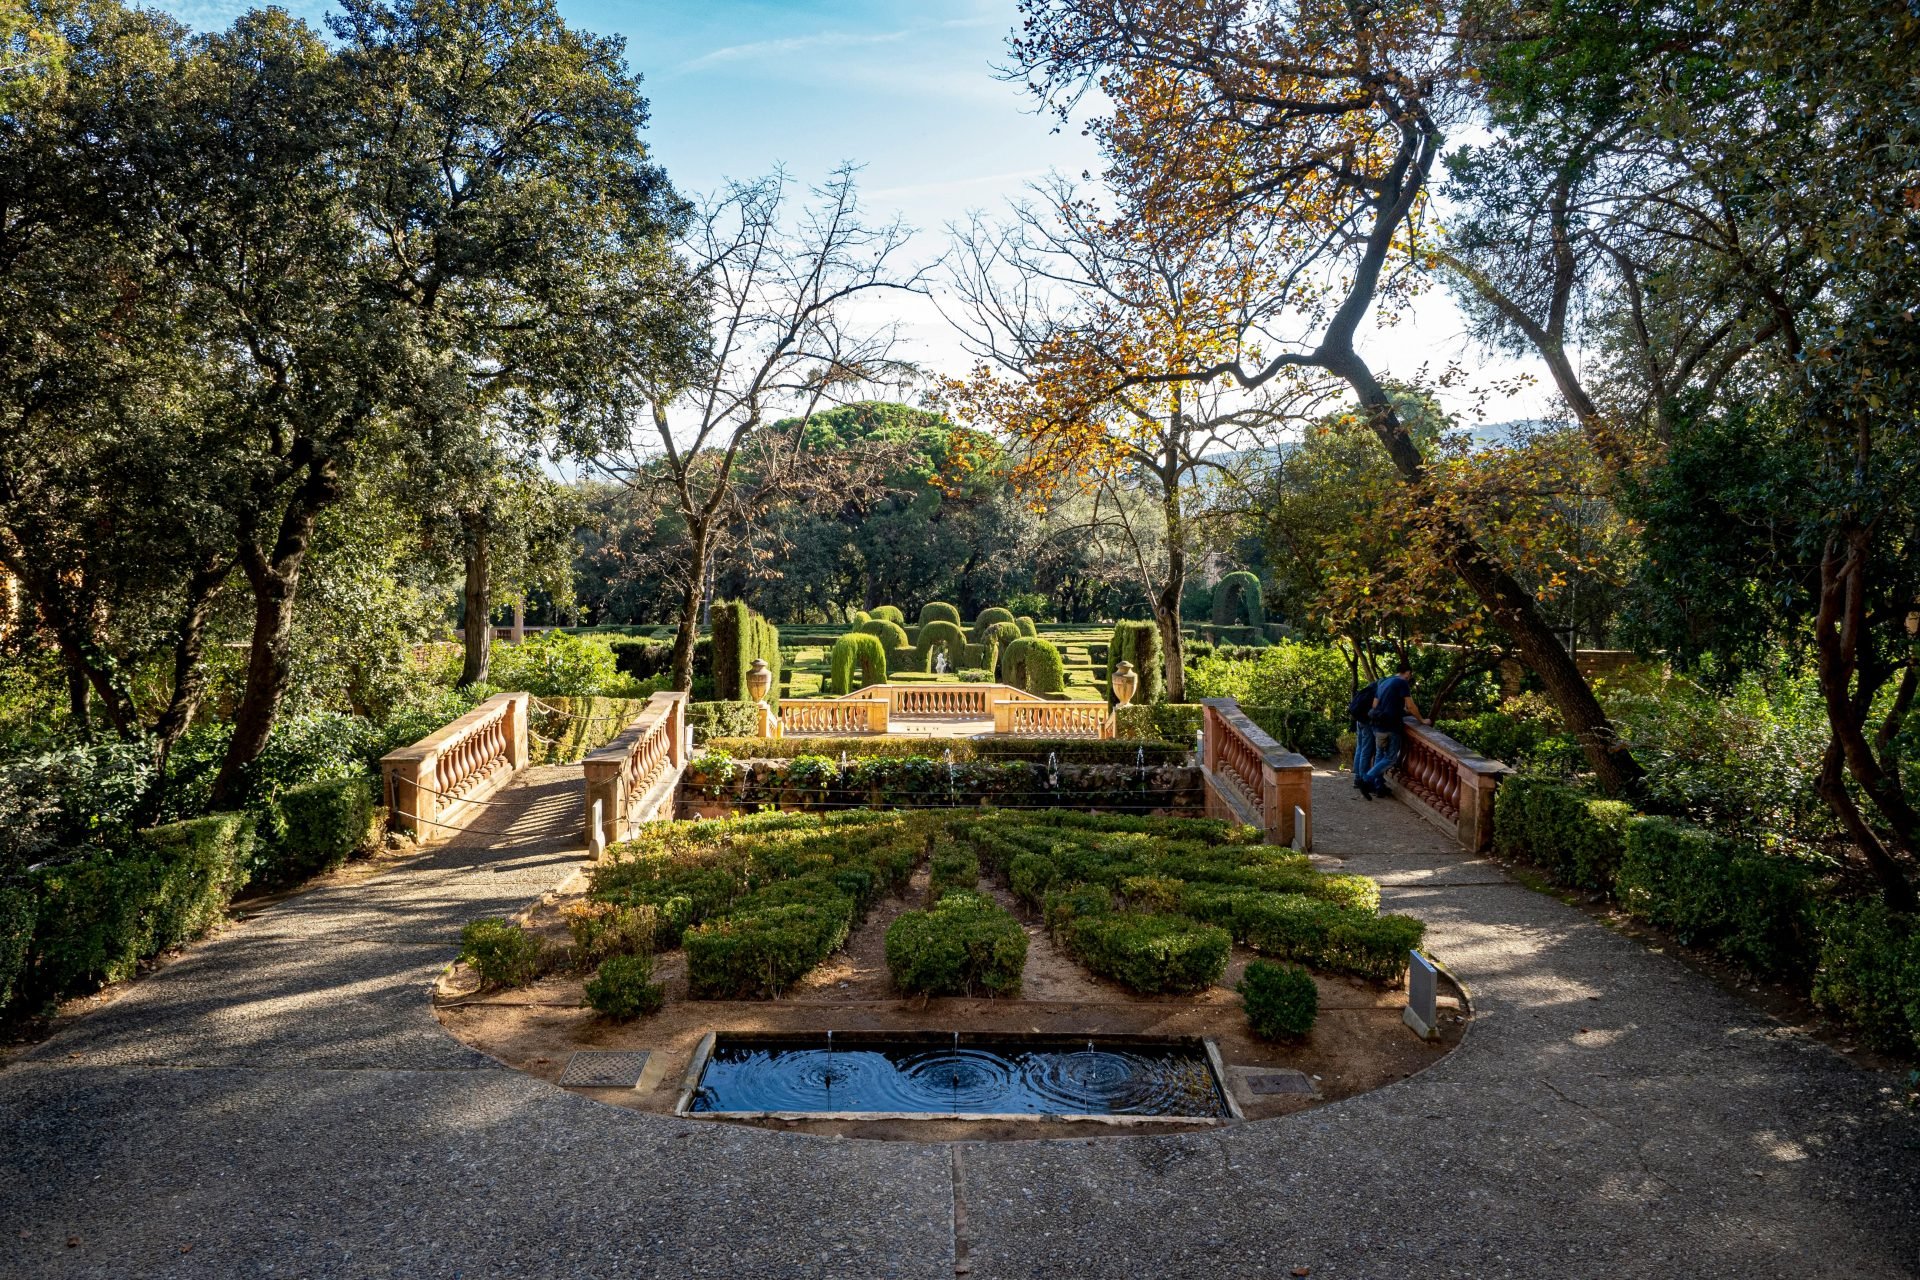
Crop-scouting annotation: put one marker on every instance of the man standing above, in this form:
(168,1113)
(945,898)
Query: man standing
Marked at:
(1392,703)
(1358,708)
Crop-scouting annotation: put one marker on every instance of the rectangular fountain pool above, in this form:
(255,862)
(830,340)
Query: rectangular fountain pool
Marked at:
(924,1075)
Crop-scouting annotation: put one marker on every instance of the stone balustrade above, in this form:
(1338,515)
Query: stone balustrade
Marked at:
(633,778)
(942,701)
(437,786)
(828,717)
(1448,784)
(1253,779)
(1044,719)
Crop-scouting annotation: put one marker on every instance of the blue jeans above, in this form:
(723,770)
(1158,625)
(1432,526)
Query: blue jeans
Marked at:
(1388,746)
(1362,748)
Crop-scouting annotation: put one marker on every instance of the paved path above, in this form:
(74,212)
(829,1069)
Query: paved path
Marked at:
(282,1101)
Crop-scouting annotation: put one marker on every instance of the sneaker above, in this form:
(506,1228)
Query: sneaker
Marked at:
(1366,791)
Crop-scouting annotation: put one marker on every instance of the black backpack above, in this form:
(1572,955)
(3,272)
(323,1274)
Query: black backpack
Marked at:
(1362,702)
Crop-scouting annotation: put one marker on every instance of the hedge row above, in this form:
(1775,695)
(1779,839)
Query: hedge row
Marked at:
(1146,952)
(822,782)
(1032,664)
(858,660)
(1064,750)
(963,944)
(1769,912)
(316,828)
(577,726)
(739,636)
(1307,732)
(713,721)
(1139,643)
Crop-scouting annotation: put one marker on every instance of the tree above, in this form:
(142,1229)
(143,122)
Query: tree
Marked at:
(694,438)
(1323,125)
(1072,318)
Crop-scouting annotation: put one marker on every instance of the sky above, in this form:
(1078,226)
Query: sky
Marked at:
(907,90)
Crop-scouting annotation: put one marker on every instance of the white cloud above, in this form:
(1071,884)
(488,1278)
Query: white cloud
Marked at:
(759,49)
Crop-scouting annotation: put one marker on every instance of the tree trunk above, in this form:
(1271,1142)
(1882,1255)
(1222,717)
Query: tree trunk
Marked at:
(691,597)
(477,633)
(189,679)
(79,695)
(1166,608)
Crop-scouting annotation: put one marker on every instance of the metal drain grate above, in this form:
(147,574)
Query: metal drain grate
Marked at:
(1265,1083)
(603,1069)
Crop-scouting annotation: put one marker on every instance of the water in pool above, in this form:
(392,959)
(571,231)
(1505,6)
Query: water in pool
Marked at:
(975,1078)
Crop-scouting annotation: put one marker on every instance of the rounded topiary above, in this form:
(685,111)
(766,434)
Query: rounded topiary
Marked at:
(964,944)
(1028,627)
(1033,664)
(1139,643)
(858,616)
(1281,1000)
(941,635)
(501,952)
(887,613)
(999,636)
(624,988)
(939,611)
(1237,596)
(986,620)
(856,650)
(892,635)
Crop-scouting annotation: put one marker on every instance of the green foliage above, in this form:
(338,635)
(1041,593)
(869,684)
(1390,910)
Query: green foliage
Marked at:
(987,619)
(758,953)
(739,636)
(1030,875)
(624,988)
(316,827)
(939,611)
(1707,888)
(1575,837)
(500,952)
(642,659)
(1032,664)
(999,635)
(892,635)
(951,867)
(1028,627)
(1238,599)
(556,664)
(965,943)
(888,613)
(1139,643)
(964,750)
(860,652)
(1307,681)
(1313,931)
(1523,731)
(1065,904)
(1281,1000)
(576,726)
(1869,973)
(941,635)
(1150,954)
(18,909)
(601,930)
(1175,722)
(733,721)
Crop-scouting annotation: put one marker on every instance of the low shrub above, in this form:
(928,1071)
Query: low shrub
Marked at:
(1032,664)
(963,750)
(1281,1000)
(1030,875)
(1151,893)
(760,952)
(887,613)
(1065,904)
(555,663)
(1320,934)
(1574,837)
(1869,973)
(317,827)
(952,868)
(18,910)
(624,988)
(602,930)
(1150,954)
(939,611)
(965,944)
(1174,722)
(723,720)
(500,952)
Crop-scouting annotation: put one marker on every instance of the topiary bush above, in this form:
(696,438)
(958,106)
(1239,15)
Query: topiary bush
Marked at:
(1869,973)
(1000,635)
(1281,1000)
(892,635)
(316,827)
(1034,665)
(624,988)
(1030,875)
(602,930)
(739,636)
(758,953)
(500,952)
(1150,954)
(987,618)
(952,867)
(1238,600)
(1139,643)
(888,613)
(939,611)
(1028,627)
(964,944)
(941,636)
(856,652)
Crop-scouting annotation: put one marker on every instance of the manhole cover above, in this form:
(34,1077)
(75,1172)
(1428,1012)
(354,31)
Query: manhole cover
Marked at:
(603,1069)
(1267,1083)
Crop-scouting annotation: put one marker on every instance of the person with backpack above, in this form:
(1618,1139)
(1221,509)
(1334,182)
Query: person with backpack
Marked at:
(1392,704)
(1358,708)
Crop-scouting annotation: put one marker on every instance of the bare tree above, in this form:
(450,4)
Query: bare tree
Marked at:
(715,441)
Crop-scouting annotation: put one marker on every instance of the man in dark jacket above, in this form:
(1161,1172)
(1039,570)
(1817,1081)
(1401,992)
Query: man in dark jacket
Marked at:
(1358,708)
(1392,704)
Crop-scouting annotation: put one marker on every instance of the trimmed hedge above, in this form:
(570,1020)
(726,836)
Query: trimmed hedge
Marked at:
(888,613)
(502,953)
(941,634)
(952,868)
(999,636)
(1034,665)
(317,827)
(18,910)
(1036,750)
(1238,601)
(760,953)
(856,650)
(1281,1000)
(892,635)
(581,725)
(1577,838)
(1325,935)
(739,636)
(1150,954)
(712,721)
(964,944)
(1166,721)
(624,988)
(1028,627)
(939,611)
(641,659)
(1869,973)
(97,918)
(1139,643)
(989,618)
(1030,875)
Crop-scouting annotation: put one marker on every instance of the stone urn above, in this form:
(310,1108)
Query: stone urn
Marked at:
(759,680)
(1125,682)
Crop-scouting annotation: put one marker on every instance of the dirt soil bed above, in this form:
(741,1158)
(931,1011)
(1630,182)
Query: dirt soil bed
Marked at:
(1358,1044)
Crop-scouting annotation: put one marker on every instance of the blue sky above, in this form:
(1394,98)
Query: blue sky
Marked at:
(904,88)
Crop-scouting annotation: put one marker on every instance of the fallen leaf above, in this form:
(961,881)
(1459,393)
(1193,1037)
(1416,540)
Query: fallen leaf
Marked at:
(73,1242)
(1301,1271)
(186,1248)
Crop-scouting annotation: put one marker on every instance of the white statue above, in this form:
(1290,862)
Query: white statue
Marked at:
(940,663)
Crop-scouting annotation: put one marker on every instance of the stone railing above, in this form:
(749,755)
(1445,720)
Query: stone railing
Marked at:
(437,786)
(1448,784)
(828,717)
(1253,779)
(1043,719)
(942,701)
(633,779)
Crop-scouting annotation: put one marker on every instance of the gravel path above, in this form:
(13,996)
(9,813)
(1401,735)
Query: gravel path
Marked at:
(280,1102)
